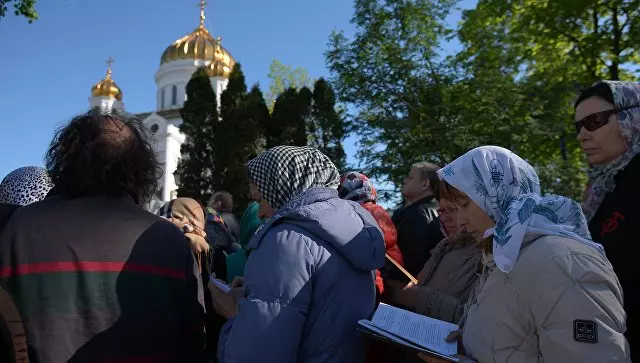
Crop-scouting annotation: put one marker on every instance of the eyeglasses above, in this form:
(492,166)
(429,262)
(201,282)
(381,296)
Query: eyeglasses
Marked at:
(599,119)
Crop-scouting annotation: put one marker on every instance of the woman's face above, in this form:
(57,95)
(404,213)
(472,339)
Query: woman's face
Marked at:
(472,219)
(448,216)
(264,210)
(606,143)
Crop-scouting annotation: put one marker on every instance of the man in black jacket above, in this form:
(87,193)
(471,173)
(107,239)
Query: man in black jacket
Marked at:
(417,222)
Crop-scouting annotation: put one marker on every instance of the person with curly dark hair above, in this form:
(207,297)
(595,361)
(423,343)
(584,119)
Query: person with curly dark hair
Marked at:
(96,277)
(103,154)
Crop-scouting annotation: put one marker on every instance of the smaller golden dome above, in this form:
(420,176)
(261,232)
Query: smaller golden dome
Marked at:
(107,87)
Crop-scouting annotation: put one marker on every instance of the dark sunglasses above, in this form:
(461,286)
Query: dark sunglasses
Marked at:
(599,119)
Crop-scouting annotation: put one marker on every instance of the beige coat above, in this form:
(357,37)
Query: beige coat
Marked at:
(447,279)
(533,313)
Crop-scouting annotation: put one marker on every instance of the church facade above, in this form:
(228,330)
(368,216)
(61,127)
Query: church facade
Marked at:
(178,62)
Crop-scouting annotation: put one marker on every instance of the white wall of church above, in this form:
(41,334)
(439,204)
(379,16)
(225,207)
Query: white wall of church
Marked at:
(174,75)
(166,136)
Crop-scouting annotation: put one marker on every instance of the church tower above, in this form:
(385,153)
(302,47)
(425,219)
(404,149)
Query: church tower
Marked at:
(177,64)
(106,94)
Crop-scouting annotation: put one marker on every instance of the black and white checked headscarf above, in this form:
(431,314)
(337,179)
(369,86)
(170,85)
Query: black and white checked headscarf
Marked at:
(283,172)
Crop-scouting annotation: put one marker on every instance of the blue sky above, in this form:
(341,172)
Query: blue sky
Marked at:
(47,68)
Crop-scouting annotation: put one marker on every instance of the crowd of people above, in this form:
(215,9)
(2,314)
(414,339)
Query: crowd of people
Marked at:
(88,275)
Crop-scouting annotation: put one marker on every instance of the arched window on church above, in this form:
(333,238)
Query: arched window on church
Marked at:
(174,95)
(162,97)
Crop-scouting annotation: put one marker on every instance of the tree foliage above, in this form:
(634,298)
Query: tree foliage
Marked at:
(325,126)
(284,77)
(513,84)
(237,136)
(199,120)
(398,89)
(550,50)
(287,125)
(25,8)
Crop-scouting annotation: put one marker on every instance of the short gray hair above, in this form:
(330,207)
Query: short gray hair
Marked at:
(428,171)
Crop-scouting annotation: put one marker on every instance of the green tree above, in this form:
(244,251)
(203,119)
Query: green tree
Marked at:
(199,119)
(237,136)
(548,51)
(26,8)
(258,112)
(325,125)
(288,119)
(401,94)
(284,77)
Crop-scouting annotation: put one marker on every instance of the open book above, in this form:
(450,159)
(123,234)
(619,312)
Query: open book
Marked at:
(411,330)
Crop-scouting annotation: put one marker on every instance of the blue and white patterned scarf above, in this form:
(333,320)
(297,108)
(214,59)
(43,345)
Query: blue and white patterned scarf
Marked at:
(508,190)
(602,176)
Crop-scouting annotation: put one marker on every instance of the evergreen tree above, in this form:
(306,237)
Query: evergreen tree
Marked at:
(199,118)
(288,120)
(237,136)
(325,125)
(258,113)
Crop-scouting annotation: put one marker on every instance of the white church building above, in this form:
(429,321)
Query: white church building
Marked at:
(178,62)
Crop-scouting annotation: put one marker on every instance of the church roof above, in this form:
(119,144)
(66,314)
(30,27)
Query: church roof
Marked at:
(166,114)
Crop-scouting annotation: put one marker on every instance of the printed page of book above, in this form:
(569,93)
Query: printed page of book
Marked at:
(377,333)
(419,329)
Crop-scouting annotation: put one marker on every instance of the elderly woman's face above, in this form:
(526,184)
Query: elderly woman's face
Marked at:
(606,143)
(265,210)
(448,216)
(472,219)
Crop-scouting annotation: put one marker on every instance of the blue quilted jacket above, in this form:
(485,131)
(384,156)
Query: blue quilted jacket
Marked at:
(308,281)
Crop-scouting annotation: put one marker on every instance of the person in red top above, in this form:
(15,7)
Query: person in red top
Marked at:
(356,187)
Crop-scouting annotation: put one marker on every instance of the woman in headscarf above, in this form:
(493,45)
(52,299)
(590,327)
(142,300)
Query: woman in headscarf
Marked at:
(547,292)
(310,275)
(21,187)
(356,187)
(25,185)
(608,126)
(188,215)
(448,276)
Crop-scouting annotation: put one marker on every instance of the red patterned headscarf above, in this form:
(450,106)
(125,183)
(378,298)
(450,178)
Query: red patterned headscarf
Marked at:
(357,187)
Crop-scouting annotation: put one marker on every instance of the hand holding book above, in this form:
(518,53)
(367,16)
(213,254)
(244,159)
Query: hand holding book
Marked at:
(413,331)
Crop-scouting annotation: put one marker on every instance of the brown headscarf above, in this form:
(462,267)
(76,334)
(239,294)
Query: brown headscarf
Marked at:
(188,215)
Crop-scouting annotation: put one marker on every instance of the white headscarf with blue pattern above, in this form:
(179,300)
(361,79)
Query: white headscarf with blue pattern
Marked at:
(508,190)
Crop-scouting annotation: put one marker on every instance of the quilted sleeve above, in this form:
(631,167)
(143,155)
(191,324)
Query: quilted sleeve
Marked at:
(270,319)
(577,309)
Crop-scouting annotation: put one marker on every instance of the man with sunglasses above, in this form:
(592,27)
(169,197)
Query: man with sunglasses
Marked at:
(608,126)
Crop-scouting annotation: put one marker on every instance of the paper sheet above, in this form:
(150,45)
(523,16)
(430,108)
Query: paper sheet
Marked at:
(419,329)
(371,329)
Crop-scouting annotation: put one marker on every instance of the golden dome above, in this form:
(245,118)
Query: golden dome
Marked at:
(201,45)
(107,87)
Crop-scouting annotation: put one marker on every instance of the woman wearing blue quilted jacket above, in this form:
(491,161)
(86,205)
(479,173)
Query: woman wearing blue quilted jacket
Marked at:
(310,275)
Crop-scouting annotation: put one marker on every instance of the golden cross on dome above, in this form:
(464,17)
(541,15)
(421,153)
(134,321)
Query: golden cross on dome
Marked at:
(109,62)
(202,4)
